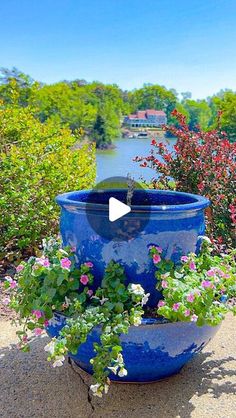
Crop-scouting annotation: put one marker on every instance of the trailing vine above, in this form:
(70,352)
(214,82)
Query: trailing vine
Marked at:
(200,289)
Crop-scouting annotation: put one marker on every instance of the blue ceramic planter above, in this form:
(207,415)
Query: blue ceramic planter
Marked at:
(152,351)
(173,220)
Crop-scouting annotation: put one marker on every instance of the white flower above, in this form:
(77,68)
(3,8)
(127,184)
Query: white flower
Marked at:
(108,329)
(178,275)
(145,299)
(165,275)
(58,361)
(122,372)
(96,389)
(137,321)
(63,252)
(50,347)
(106,388)
(113,369)
(67,301)
(103,300)
(120,358)
(204,238)
(136,289)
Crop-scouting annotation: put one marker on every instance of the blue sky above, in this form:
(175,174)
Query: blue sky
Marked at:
(186,44)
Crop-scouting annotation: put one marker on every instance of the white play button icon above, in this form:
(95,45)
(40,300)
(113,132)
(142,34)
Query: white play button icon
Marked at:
(117,209)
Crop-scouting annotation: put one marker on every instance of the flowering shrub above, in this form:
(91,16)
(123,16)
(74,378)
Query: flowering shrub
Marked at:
(37,162)
(199,289)
(202,162)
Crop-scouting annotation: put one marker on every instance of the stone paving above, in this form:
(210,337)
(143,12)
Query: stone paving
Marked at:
(30,387)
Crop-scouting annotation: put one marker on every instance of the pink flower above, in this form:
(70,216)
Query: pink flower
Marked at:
(19,268)
(220,272)
(73,249)
(90,292)
(176,306)
(226,276)
(37,313)
(207,284)
(190,297)
(211,273)
(6,301)
(184,258)
(43,261)
(13,284)
(38,331)
(164,284)
(161,303)
(192,265)
(88,264)
(159,249)
(156,258)
(46,323)
(24,339)
(84,279)
(194,318)
(46,262)
(65,263)
(187,312)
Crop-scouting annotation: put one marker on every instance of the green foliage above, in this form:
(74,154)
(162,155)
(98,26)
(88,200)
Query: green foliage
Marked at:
(83,106)
(198,290)
(153,97)
(226,103)
(66,103)
(52,283)
(198,113)
(37,162)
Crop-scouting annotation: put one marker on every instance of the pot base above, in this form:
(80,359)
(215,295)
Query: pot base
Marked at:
(76,366)
(155,350)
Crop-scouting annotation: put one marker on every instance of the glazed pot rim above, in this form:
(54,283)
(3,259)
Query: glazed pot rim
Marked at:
(198,202)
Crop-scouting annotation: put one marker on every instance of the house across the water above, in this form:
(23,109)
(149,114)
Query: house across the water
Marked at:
(149,118)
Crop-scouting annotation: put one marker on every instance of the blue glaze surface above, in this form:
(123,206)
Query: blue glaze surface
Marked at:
(154,350)
(174,221)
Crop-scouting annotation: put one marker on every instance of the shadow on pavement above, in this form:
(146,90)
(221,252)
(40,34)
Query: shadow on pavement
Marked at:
(30,387)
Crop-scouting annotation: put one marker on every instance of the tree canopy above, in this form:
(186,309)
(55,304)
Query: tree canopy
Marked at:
(97,109)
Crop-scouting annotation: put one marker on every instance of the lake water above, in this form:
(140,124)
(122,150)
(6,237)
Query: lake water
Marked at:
(119,161)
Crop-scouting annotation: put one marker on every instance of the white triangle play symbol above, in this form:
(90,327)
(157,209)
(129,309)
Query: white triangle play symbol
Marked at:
(117,209)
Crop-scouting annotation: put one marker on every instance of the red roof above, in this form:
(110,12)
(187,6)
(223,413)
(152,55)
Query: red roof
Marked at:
(155,112)
(143,114)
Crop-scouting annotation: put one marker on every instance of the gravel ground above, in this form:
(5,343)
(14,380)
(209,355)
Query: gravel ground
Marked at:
(30,387)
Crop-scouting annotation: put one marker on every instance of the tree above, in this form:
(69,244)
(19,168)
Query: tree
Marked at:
(99,131)
(15,81)
(186,95)
(153,97)
(199,113)
(226,103)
